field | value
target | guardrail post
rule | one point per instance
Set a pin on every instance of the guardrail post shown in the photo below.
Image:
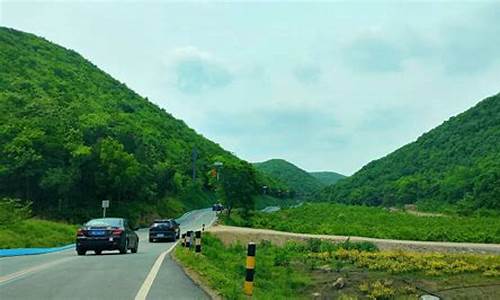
(183, 236)
(248, 285)
(203, 227)
(197, 248)
(189, 239)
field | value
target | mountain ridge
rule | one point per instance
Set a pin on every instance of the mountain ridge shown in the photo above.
(456, 163)
(327, 177)
(72, 135)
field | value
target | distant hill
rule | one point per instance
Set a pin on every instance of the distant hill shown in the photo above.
(71, 136)
(300, 181)
(327, 178)
(458, 163)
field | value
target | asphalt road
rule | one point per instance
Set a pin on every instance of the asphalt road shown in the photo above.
(64, 275)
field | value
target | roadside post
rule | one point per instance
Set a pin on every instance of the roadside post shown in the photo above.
(189, 238)
(197, 248)
(105, 204)
(248, 285)
(183, 236)
(203, 227)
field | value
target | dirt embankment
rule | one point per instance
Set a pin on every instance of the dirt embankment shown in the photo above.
(231, 234)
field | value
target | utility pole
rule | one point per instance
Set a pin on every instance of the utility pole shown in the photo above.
(218, 165)
(194, 156)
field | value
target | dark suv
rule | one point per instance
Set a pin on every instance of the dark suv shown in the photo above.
(106, 234)
(217, 207)
(167, 229)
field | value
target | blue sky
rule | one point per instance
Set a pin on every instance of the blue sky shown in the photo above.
(328, 86)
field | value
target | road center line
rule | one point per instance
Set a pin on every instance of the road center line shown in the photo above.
(6, 278)
(148, 282)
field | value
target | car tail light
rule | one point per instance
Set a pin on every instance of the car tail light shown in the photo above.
(117, 231)
(80, 232)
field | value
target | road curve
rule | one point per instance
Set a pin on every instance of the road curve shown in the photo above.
(64, 275)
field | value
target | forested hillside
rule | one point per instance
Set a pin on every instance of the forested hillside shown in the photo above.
(327, 177)
(71, 136)
(299, 182)
(456, 163)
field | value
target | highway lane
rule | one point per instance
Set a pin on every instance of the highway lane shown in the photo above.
(64, 275)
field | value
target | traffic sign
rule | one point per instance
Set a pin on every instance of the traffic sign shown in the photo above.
(105, 203)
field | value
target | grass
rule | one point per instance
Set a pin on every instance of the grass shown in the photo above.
(298, 270)
(224, 269)
(338, 219)
(36, 233)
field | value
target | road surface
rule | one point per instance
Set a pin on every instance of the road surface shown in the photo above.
(64, 275)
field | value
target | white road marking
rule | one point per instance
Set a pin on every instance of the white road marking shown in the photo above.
(148, 282)
(12, 276)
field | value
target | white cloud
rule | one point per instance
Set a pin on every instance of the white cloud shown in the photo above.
(195, 71)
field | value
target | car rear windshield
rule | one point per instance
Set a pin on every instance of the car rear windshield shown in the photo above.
(162, 225)
(113, 222)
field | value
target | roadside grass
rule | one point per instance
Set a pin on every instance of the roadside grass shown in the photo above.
(224, 269)
(36, 233)
(301, 270)
(349, 220)
(19, 230)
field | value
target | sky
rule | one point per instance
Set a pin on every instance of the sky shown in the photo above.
(325, 85)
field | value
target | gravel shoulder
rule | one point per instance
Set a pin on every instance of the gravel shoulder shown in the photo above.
(232, 234)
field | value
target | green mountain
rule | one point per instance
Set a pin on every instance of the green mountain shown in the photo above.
(458, 163)
(327, 178)
(299, 181)
(71, 136)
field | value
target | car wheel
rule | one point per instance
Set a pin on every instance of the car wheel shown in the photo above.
(151, 240)
(80, 251)
(124, 248)
(97, 252)
(134, 250)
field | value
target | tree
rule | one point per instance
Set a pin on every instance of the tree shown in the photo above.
(237, 185)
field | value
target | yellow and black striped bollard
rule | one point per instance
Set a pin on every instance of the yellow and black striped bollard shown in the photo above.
(248, 286)
(197, 248)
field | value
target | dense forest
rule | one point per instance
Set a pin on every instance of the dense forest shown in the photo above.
(299, 183)
(327, 178)
(71, 136)
(457, 164)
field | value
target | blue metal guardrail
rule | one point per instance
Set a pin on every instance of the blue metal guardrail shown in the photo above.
(33, 251)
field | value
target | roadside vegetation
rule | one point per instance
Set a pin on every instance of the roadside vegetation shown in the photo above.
(349, 220)
(345, 270)
(19, 230)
